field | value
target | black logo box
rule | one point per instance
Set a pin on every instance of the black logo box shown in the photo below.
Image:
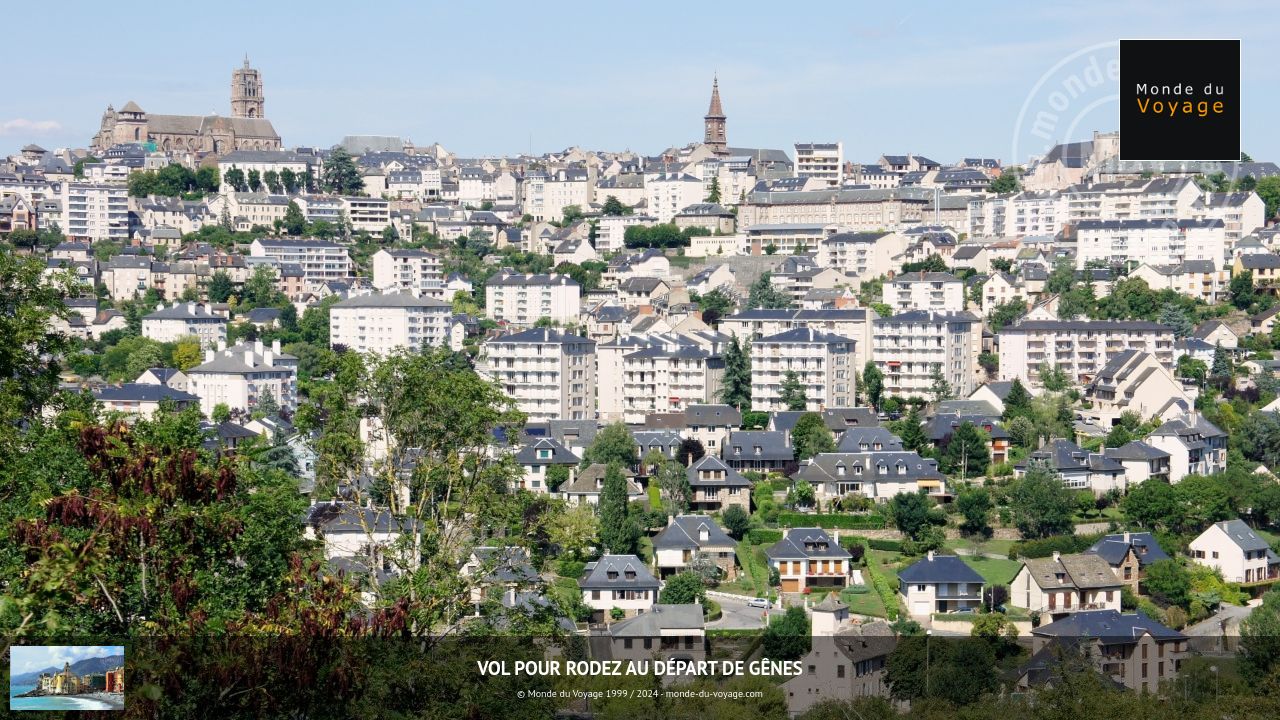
(1185, 68)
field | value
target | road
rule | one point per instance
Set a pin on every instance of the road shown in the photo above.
(735, 615)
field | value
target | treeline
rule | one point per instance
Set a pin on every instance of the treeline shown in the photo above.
(173, 181)
(667, 235)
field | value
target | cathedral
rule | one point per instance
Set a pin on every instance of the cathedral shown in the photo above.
(246, 129)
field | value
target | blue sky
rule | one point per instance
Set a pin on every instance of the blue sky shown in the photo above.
(945, 80)
(29, 658)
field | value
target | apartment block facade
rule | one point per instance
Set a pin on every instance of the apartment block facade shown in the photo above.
(385, 323)
(550, 374)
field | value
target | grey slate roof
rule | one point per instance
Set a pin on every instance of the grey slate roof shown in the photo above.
(713, 415)
(802, 543)
(1242, 535)
(773, 446)
(1111, 626)
(1113, 548)
(658, 618)
(732, 478)
(865, 439)
(684, 531)
(142, 392)
(560, 455)
(630, 574)
(395, 299)
(939, 569)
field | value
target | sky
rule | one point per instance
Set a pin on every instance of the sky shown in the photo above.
(940, 79)
(29, 658)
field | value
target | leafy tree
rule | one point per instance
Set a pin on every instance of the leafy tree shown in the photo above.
(236, 179)
(764, 295)
(1018, 401)
(1168, 581)
(187, 354)
(254, 179)
(221, 413)
(735, 384)
(1042, 506)
(1190, 368)
(810, 436)
(1006, 183)
(910, 513)
(1268, 188)
(787, 637)
(260, 289)
(340, 174)
(933, 263)
(1258, 437)
(912, 432)
(271, 179)
(289, 181)
(574, 531)
(614, 206)
(792, 393)
(975, 506)
(557, 475)
(872, 384)
(940, 388)
(613, 444)
(1053, 378)
(966, 452)
(1241, 288)
(684, 588)
(704, 567)
(295, 223)
(736, 521)
(714, 305)
(673, 480)
(801, 494)
(1006, 314)
(690, 451)
(619, 533)
(1152, 504)
(989, 362)
(1260, 640)
(1022, 430)
(1173, 316)
(955, 671)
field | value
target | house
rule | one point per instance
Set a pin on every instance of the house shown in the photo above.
(141, 399)
(1235, 550)
(941, 426)
(1078, 468)
(1133, 381)
(1195, 446)
(363, 538)
(505, 571)
(686, 536)
(538, 457)
(1265, 321)
(759, 451)
(1265, 268)
(588, 486)
(874, 475)
(808, 558)
(665, 442)
(1141, 462)
(1065, 583)
(868, 439)
(1129, 555)
(1216, 332)
(169, 377)
(716, 486)
(846, 659)
(939, 584)
(618, 581)
(1131, 650)
(993, 393)
(168, 324)
(712, 424)
(666, 632)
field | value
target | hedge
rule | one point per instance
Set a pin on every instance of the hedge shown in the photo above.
(764, 536)
(570, 568)
(1045, 547)
(885, 545)
(829, 521)
(888, 595)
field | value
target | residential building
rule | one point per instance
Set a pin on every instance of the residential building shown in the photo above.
(1141, 462)
(588, 486)
(364, 539)
(505, 571)
(874, 475)
(1129, 554)
(141, 399)
(169, 377)
(1134, 381)
(711, 424)
(668, 193)
(931, 291)
(912, 349)
(244, 376)
(523, 299)
(384, 323)
(1065, 583)
(939, 584)
(320, 260)
(664, 633)
(190, 319)
(766, 451)
(618, 581)
(846, 659)
(809, 558)
(1198, 279)
(538, 457)
(94, 211)
(1235, 550)
(687, 536)
(1079, 348)
(669, 374)
(1265, 268)
(716, 486)
(821, 362)
(1131, 650)
(412, 271)
(824, 161)
(551, 374)
(1079, 469)
(1159, 242)
(1195, 446)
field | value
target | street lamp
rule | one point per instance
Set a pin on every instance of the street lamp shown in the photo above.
(927, 635)
(1216, 684)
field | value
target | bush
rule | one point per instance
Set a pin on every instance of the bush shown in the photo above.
(885, 545)
(711, 610)
(857, 550)
(570, 568)
(1045, 547)
(831, 522)
(763, 536)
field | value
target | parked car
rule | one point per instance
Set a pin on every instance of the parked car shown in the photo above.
(762, 603)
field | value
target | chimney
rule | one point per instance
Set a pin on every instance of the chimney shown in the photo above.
(159, 306)
(268, 358)
(208, 356)
(1126, 537)
(191, 308)
(930, 554)
(275, 346)
(248, 358)
(835, 536)
(1057, 556)
(257, 346)
(671, 520)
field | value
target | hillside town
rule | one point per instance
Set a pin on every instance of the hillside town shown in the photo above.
(944, 431)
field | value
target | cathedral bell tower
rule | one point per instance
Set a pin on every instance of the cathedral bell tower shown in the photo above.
(714, 123)
(246, 92)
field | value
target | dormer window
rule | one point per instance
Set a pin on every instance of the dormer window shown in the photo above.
(613, 574)
(881, 470)
(631, 574)
(544, 454)
(757, 449)
(840, 469)
(902, 469)
(857, 469)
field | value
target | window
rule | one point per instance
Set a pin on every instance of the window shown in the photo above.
(840, 671)
(921, 588)
(626, 643)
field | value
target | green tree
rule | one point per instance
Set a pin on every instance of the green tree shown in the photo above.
(872, 384)
(254, 180)
(1023, 433)
(619, 533)
(684, 588)
(735, 384)
(1152, 504)
(673, 480)
(713, 195)
(714, 305)
(236, 179)
(911, 431)
(221, 413)
(1006, 183)
(613, 444)
(1169, 582)
(736, 521)
(1268, 188)
(939, 388)
(975, 507)
(801, 494)
(574, 531)
(29, 347)
(787, 637)
(1173, 316)
(1258, 438)
(966, 452)
(271, 179)
(187, 354)
(910, 513)
(340, 175)
(295, 223)
(614, 206)
(792, 393)
(1241, 288)
(1006, 314)
(810, 436)
(289, 181)
(1221, 367)
(1018, 402)
(260, 289)
(1260, 642)
(1041, 504)
(764, 295)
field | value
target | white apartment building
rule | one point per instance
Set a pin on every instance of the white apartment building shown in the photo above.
(669, 375)
(546, 195)
(241, 377)
(413, 271)
(611, 230)
(910, 347)
(550, 374)
(1018, 214)
(265, 161)
(367, 213)
(321, 208)
(862, 254)
(1159, 242)
(822, 362)
(1080, 348)
(1156, 199)
(824, 161)
(849, 209)
(613, 402)
(388, 322)
(522, 299)
(320, 260)
(933, 291)
(169, 324)
(95, 211)
(666, 194)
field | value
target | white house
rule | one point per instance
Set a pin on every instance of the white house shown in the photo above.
(939, 584)
(618, 581)
(809, 557)
(1065, 583)
(169, 324)
(1235, 550)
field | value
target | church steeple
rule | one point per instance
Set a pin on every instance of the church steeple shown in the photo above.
(714, 122)
(247, 100)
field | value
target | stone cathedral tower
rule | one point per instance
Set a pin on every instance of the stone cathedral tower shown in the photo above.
(246, 92)
(714, 123)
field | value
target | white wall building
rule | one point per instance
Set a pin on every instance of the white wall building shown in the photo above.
(550, 374)
(1159, 242)
(241, 377)
(1080, 348)
(910, 347)
(933, 291)
(822, 362)
(523, 299)
(95, 211)
(388, 322)
(320, 260)
(169, 324)
(413, 271)
(824, 161)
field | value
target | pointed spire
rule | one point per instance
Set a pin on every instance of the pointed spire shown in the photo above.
(715, 110)
(246, 61)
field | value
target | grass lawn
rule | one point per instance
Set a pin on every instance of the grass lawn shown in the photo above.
(994, 546)
(682, 261)
(1111, 513)
(655, 497)
(566, 589)
(646, 549)
(753, 574)
(993, 571)
(864, 603)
